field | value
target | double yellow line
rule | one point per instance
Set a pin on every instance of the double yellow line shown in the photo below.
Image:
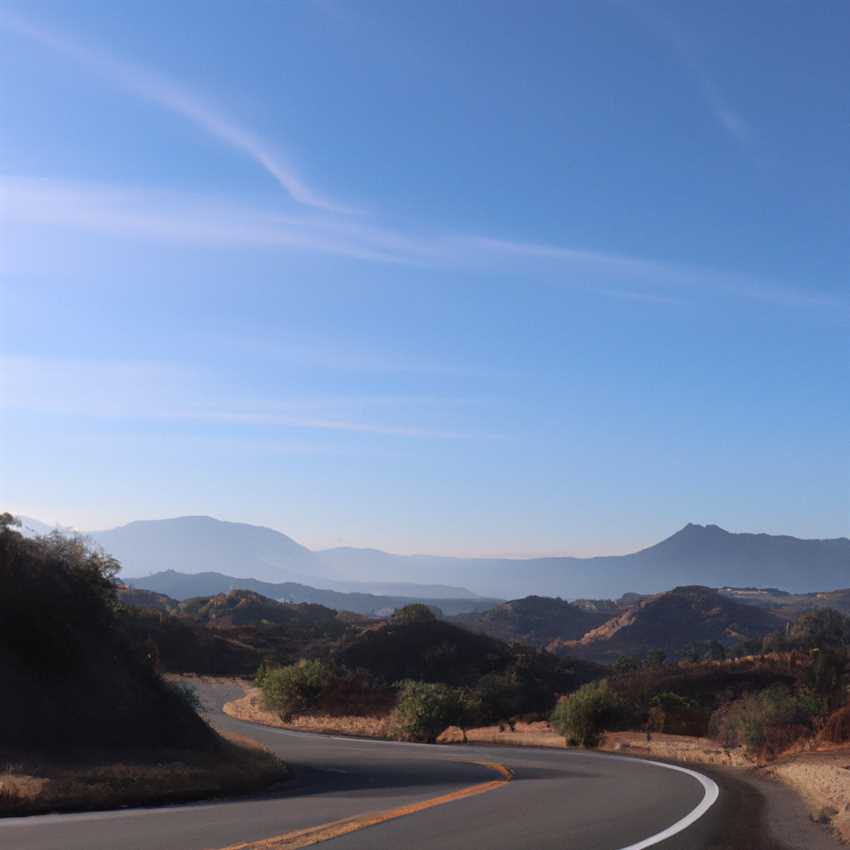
(324, 832)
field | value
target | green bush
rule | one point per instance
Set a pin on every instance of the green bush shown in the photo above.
(583, 717)
(297, 687)
(502, 698)
(767, 721)
(424, 710)
(416, 612)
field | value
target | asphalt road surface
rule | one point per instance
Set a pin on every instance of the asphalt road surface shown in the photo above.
(559, 799)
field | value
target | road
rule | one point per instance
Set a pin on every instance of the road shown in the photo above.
(558, 799)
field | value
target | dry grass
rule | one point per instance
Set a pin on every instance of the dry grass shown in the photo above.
(250, 708)
(538, 734)
(35, 785)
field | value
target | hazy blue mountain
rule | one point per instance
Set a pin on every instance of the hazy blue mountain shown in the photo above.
(396, 588)
(182, 586)
(196, 544)
(193, 544)
(697, 554)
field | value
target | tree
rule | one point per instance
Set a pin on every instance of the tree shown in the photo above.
(416, 612)
(296, 687)
(654, 658)
(823, 629)
(424, 710)
(583, 717)
(626, 664)
(501, 698)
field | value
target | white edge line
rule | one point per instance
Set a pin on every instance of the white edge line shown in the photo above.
(712, 792)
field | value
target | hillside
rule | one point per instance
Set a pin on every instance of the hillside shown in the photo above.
(668, 622)
(135, 597)
(789, 605)
(183, 586)
(247, 608)
(73, 677)
(429, 650)
(230, 633)
(535, 620)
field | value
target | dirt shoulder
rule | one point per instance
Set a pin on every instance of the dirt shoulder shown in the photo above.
(823, 780)
(249, 707)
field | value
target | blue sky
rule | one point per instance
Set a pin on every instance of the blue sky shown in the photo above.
(467, 278)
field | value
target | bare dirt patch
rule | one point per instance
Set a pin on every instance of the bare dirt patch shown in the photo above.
(823, 780)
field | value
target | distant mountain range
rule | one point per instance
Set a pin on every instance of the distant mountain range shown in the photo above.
(697, 554)
(182, 586)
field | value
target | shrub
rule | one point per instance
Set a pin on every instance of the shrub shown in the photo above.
(836, 730)
(424, 710)
(583, 717)
(501, 698)
(768, 721)
(416, 612)
(829, 675)
(654, 659)
(669, 712)
(297, 687)
(823, 629)
(626, 664)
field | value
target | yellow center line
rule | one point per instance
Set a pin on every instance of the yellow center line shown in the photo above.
(324, 832)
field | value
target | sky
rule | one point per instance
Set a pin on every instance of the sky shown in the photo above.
(457, 278)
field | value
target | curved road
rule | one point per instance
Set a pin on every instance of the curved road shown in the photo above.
(559, 799)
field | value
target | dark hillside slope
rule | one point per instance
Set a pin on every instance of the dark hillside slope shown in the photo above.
(70, 676)
(534, 620)
(230, 633)
(436, 651)
(669, 621)
(135, 597)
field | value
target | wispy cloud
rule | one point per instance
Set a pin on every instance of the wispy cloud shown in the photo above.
(732, 122)
(166, 391)
(172, 96)
(167, 217)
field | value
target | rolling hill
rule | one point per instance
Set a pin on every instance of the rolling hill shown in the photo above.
(669, 621)
(534, 620)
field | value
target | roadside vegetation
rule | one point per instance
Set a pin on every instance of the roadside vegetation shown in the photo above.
(86, 720)
(790, 689)
(425, 674)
